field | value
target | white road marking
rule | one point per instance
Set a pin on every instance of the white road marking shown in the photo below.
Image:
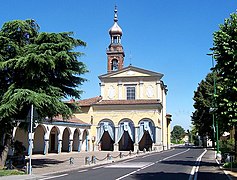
(175, 154)
(196, 167)
(128, 165)
(98, 167)
(126, 175)
(53, 177)
(150, 164)
(83, 170)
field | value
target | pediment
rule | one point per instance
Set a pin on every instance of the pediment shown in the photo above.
(131, 71)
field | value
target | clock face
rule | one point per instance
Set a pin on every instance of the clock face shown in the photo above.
(111, 92)
(149, 91)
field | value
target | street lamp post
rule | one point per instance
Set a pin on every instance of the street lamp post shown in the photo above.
(30, 138)
(214, 106)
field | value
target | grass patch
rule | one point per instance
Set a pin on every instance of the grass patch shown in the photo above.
(10, 172)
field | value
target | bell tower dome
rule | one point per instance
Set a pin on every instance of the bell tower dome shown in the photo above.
(115, 53)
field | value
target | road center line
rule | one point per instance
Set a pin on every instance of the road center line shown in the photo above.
(175, 154)
(151, 164)
(53, 177)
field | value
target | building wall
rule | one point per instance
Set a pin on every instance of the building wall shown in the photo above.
(145, 89)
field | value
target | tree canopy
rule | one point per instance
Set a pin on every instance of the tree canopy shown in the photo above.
(177, 133)
(225, 53)
(37, 68)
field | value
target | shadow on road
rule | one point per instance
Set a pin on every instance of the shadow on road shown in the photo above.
(189, 163)
(160, 175)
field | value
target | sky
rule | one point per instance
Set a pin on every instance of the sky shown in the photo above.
(166, 36)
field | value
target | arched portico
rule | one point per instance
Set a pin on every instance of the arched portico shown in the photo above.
(146, 135)
(126, 135)
(85, 141)
(21, 135)
(105, 135)
(66, 140)
(54, 140)
(39, 139)
(76, 140)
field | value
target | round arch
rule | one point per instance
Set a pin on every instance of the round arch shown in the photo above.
(39, 139)
(85, 140)
(106, 135)
(146, 135)
(126, 134)
(147, 119)
(53, 139)
(22, 137)
(66, 139)
(76, 140)
(106, 120)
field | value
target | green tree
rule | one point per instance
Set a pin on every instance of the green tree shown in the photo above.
(225, 53)
(204, 103)
(177, 133)
(36, 68)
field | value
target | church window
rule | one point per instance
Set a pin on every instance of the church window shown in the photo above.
(114, 65)
(115, 39)
(131, 93)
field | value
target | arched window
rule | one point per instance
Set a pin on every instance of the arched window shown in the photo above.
(114, 65)
(115, 39)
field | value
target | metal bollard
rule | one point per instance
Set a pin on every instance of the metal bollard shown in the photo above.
(144, 150)
(87, 160)
(109, 157)
(130, 153)
(149, 149)
(93, 159)
(71, 160)
(121, 155)
(138, 151)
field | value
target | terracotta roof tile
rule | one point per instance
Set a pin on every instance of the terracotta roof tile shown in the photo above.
(127, 102)
(73, 119)
(90, 101)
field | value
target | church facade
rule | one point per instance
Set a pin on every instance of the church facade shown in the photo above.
(130, 113)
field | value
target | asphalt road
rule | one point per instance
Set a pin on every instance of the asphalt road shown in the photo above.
(178, 164)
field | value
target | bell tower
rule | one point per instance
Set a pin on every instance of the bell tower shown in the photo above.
(115, 53)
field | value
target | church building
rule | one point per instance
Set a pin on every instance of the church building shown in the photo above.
(130, 113)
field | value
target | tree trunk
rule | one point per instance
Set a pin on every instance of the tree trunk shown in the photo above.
(7, 144)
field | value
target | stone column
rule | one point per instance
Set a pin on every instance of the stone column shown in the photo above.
(59, 146)
(120, 90)
(136, 143)
(46, 146)
(79, 145)
(158, 139)
(141, 89)
(158, 87)
(70, 145)
(102, 85)
(87, 143)
(116, 146)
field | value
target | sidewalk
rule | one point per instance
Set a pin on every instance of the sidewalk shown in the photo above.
(210, 168)
(54, 163)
